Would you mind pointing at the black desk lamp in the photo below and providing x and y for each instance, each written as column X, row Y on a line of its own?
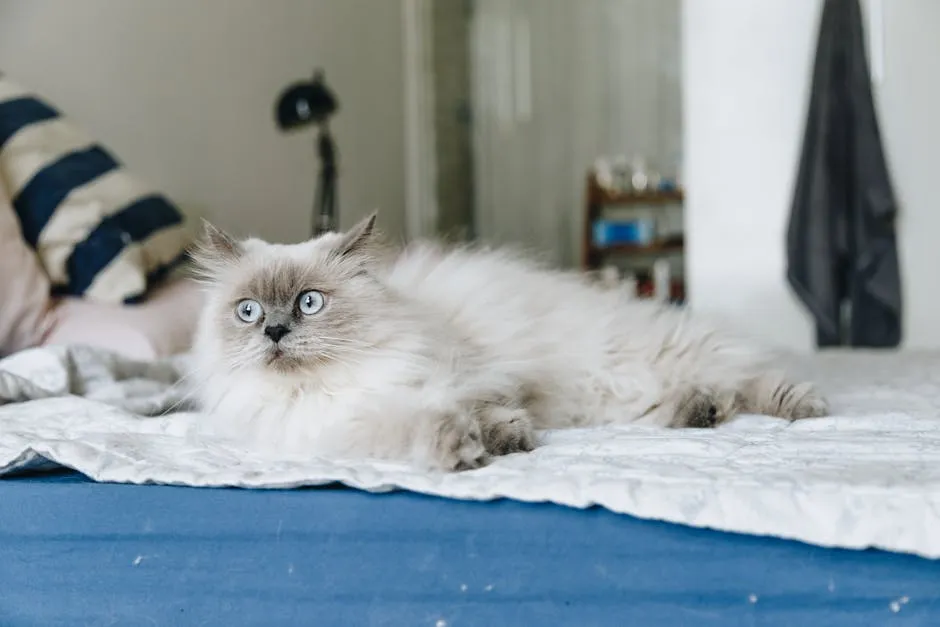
column 299, row 106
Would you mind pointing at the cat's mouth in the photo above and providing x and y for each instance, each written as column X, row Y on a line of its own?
column 280, row 359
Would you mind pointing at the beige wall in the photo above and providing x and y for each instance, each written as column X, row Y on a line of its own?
column 450, row 51
column 183, row 92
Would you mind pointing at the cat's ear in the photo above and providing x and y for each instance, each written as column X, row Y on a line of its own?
column 219, row 243
column 214, row 250
column 359, row 238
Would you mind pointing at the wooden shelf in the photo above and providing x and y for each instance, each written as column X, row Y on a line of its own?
column 597, row 199
column 654, row 248
column 644, row 289
column 599, row 196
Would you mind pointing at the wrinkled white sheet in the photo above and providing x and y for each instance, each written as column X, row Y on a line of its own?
column 868, row 477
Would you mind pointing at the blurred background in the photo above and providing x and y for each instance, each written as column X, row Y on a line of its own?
column 655, row 142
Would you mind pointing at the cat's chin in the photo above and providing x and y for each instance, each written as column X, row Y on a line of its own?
column 279, row 360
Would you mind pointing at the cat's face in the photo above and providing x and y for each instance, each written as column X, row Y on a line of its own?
column 288, row 308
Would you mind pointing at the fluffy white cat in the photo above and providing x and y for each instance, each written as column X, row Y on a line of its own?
column 444, row 357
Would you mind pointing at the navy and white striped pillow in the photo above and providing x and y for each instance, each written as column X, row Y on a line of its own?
column 99, row 232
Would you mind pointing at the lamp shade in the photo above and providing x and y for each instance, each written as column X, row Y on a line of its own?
column 305, row 103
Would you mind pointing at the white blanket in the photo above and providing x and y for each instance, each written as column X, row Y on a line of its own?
column 869, row 477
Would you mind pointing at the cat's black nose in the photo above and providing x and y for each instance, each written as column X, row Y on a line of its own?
column 276, row 332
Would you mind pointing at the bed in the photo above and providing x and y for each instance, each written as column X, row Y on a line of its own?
column 76, row 552
column 830, row 522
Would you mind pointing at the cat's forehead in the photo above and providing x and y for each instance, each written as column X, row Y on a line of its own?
column 304, row 252
column 277, row 273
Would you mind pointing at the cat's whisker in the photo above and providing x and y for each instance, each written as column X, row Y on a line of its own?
column 341, row 339
column 188, row 395
column 332, row 342
column 319, row 346
column 351, row 344
column 187, row 383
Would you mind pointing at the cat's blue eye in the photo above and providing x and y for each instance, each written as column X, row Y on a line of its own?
column 311, row 302
column 249, row 310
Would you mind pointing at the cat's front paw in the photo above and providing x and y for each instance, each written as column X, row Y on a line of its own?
column 457, row 444
column 507, row 431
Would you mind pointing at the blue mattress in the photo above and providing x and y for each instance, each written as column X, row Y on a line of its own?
column 73, row 552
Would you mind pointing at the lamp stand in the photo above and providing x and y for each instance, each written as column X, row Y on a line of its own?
column 324, row 202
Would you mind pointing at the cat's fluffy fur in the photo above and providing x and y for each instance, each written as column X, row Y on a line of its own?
column 445, row 357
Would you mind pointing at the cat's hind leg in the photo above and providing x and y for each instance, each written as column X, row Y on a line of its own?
column 767, row 394
column 773, row 394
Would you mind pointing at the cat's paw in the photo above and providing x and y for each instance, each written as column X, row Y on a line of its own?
column 703, row 409
column 775, row 395
column 457, row 445
column 507, row 431
column 806, row 403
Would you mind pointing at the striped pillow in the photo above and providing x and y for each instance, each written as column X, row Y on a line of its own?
column 99, row 232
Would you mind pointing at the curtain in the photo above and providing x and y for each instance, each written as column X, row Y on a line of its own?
column 555, row 84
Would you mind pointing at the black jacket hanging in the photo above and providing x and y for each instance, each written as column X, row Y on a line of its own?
column 841, row 244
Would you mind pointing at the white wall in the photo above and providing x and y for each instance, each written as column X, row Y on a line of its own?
column 183, row 91
column 910, row 120
column 747, row 70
